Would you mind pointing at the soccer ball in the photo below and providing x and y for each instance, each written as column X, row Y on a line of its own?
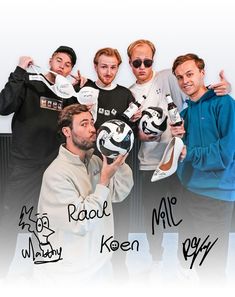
column 114, row 137
column 153, row 121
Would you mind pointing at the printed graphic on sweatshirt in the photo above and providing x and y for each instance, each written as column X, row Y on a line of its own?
column 39, row 247
column 51, row 103
column 107, row 112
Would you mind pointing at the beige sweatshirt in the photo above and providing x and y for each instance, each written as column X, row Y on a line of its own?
column 70, row 189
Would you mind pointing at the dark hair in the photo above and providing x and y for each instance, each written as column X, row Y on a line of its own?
column 107, row 51
column 68, row 50
column 140, row 42
column 184, row 58
column 66, row 115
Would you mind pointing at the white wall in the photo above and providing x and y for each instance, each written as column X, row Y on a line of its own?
column 35, row 28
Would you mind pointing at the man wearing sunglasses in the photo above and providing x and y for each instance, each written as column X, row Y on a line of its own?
column 153, row 86
column 35, row 142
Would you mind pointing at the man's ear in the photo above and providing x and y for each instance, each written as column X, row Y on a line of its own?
column 95, row 67
column 66, row 131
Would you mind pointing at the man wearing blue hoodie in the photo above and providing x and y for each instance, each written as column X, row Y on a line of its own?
column 207, row 171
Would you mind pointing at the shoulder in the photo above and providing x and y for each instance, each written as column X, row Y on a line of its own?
column 55, row 169
column 123, row 94
column 226, row 102
column 165, row 74
column 123, row 89
column 62, row 168
column 90, row 83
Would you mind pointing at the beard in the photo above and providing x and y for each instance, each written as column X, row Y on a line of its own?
column 84, row 145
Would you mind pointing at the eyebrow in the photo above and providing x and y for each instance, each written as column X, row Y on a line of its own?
column 109, row 64
column 188, row 71
column 86, row 120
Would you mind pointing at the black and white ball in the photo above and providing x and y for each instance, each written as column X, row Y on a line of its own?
column 153, row 121
column 114, row 137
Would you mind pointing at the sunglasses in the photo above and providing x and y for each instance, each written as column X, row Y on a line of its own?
column 138, row 62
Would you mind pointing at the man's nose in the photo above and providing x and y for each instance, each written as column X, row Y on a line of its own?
column 185, row 79
column 142, row 66
column 92, row 129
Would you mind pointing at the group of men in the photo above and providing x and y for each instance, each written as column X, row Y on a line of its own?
column 76, row 176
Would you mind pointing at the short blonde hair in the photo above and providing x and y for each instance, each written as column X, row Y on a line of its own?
column 107, row 51
column 139, row 42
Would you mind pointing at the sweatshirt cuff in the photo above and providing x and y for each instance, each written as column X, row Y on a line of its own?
column 20, row 72
column 102, row 192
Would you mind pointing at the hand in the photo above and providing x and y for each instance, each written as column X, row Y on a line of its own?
column 108, row 170
column 136, row 116
column 89, row 106
column 149, row 137
column 178, row 131
column 183, row 154
column 25, row 62
column 223, row 87
column 78, row 79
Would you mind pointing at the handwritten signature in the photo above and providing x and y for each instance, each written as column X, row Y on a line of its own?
column 192, row 248
column 40, row 250
column 164, row 214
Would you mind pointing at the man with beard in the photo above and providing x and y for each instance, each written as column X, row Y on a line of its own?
column 78, row 178
column 113, row 100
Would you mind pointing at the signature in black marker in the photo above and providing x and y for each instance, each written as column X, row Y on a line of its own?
column 40, row 250
column 192, row 248
column 165, row 213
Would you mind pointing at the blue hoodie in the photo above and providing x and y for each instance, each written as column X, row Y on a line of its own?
column 209, row 167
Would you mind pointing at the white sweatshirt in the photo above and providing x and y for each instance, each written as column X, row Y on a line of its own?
column 155, row 90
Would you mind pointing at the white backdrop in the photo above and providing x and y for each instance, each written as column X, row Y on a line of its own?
column 37, row 28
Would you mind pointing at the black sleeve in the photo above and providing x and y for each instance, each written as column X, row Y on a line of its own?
column 12, row 96
column 89, row 83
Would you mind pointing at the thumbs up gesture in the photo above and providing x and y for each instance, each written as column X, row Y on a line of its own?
column 223, row 87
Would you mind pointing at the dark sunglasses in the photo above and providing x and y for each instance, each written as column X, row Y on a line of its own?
column 138, row 62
